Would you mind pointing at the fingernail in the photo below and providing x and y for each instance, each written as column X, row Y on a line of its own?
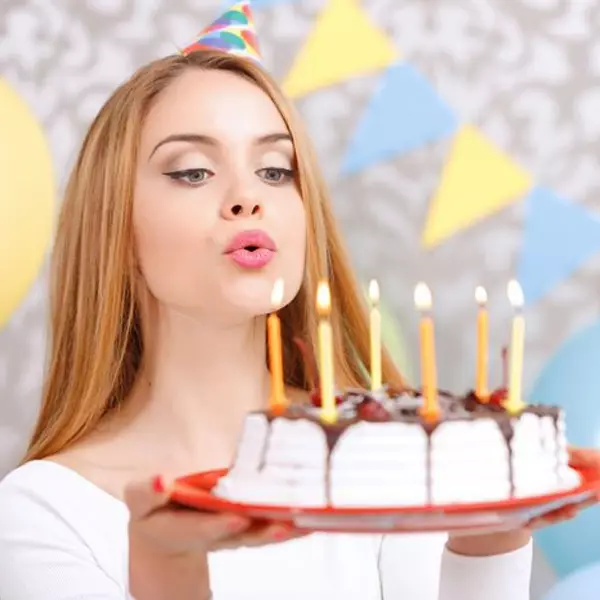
column 236, row 524
column 281, row 533
column 158, row 485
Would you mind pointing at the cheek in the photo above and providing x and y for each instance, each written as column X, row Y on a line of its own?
column 170, row 245
column 295, row 245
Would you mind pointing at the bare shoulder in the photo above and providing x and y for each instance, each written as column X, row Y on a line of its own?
column 101, row 461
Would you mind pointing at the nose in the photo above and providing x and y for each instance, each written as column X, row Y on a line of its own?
column 242, row 208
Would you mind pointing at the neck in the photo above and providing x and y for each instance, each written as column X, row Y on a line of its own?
column 198, row 382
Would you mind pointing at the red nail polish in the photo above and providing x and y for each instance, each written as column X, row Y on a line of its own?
column 281, row 534
column 236, row 525
column 158, row 485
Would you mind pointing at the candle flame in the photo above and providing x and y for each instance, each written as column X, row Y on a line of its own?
column 323, row 298
column 423, row 299
column 515, row 294
column 374, row 292
column 277, row 293
column 481, row 296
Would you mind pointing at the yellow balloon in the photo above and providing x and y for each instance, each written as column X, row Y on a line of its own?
column 26, row 200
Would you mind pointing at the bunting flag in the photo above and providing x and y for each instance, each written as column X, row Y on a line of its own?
column 404, row 114
column 343, row 44
column 26, row 200
column 559, row 237
column 478, row 180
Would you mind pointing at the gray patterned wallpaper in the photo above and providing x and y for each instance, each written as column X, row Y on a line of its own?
column 527, row 72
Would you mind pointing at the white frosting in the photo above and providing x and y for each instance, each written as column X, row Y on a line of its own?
column 375, row 464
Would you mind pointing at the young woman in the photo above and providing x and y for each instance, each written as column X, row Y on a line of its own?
column 158, row 351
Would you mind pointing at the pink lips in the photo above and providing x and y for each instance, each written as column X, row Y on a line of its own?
column 251, row 249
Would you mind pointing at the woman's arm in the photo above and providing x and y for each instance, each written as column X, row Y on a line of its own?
column 489, row 545
column 154, row 577
column 44, row 557
column 487, row 567
column 424, row 567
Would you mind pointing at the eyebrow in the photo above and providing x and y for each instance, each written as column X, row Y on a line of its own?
column 198, row 138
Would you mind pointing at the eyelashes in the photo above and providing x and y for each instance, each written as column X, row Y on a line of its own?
column 274, row 176
column 193, row 177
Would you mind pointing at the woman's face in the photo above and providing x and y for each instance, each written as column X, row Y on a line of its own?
column 217, row 215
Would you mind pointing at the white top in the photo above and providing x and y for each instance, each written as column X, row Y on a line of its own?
column 63, row 538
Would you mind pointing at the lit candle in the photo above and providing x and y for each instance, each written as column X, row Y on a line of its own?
column 278, row 400
column 325, row 334
column 423, row 301
column 514, row 403
column 375, row 334
column 481, row 383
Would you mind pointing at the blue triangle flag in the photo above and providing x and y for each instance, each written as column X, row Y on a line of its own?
column 559, row 237
column 404, row 114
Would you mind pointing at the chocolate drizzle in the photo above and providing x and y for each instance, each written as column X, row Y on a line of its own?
column 265, row 447
column 359, row 406
column 429, row 428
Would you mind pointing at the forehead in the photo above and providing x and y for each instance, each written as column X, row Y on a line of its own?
column 217, row 103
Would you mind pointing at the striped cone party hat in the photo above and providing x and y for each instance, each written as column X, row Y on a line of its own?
column 233, row 32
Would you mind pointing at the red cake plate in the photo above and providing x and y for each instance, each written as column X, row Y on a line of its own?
column 194, row 491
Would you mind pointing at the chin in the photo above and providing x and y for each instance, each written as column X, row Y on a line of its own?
column 249, row 300
column 252, row 297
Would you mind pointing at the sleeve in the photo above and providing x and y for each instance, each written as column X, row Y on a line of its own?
column 420, row 567
column 488, row 577
column 42, row 557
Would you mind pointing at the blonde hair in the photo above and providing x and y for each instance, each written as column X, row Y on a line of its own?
column 96, row 345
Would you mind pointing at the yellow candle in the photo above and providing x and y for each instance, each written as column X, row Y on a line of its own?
column 514, row 402
column 423, row 301
column 325, row 335
column 278, row 400
column 375, row 335
column 481, row 382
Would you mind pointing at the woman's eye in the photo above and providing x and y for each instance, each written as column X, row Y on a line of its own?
column 276, row 175
column 191, row 176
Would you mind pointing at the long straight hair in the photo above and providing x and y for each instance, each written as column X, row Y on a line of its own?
column 96, row 343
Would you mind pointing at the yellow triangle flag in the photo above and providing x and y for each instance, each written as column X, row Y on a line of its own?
column 343, row 44
column 478, row 180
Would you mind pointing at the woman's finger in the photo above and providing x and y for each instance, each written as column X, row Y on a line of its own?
column 561, row 514
column 262, row 535
column 556, row 516
column 584, row 458
column 178, row 530
column 144, row 497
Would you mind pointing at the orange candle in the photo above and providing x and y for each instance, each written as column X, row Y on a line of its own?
column 277, row 399
column 430, row 410
column 481, row 382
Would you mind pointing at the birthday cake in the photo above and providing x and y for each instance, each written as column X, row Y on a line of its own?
column 381, row 452
column 400, row 447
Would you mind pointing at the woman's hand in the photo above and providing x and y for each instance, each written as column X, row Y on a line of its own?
column 581, row 458
column 169, row 545
column 498, row 543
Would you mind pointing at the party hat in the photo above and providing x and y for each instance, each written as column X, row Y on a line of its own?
column 233, row 32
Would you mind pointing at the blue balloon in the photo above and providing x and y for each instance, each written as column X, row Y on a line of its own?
column 571, row 379
column 582, row 585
